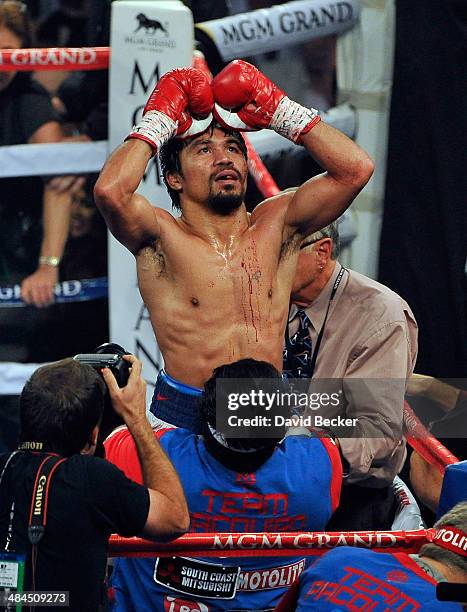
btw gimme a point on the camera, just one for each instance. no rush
(108, 355)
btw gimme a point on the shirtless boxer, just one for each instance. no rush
(216, 281)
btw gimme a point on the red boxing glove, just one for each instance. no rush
(247, 100)
(180, 105)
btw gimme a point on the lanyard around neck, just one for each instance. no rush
(321, 331)
(39, 501)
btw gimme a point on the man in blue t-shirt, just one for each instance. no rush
(349, 578)
(231, 485)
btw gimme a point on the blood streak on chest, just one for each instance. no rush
(251, 267)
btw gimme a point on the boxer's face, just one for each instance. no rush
(8, 40)
(213, 171)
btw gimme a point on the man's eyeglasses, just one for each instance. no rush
(306, 243)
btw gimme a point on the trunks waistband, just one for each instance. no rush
(176, 403)
(182, 387)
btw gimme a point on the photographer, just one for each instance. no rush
(54, 486)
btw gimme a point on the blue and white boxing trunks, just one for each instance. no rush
(176, 403)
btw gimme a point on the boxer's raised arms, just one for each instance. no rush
(257, 103)
(180, 105)
(217, 282)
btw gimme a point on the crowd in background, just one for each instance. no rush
(50, 228)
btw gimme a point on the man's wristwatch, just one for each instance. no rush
(45, 260)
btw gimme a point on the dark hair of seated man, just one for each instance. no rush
(239, 454)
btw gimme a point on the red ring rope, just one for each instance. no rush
(264, 181)
(426, 445)
(55, 58)
(270, 544)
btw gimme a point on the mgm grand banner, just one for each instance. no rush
(271, 29)
(147, 40)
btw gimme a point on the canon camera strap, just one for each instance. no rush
(38, 511)
(40, 496)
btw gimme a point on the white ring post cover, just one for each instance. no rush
(147, 39)
(365, 58)
(273, 28)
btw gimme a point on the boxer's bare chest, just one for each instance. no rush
(241, 279)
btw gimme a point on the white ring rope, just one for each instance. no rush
(52, 158)
(83, 157)
(240, 35)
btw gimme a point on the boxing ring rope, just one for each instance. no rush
(83, 290)
(426, 445)
(241, 35)
(303, 543)
(82, 157)
(285, 544)
(273, 28)
(55, 58)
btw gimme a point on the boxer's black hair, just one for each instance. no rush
(169, 157)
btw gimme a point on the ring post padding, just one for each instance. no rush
(364, 65)
(272, 28)
(80, 157)
(141, 54)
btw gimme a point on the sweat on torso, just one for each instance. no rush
(209, 307)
